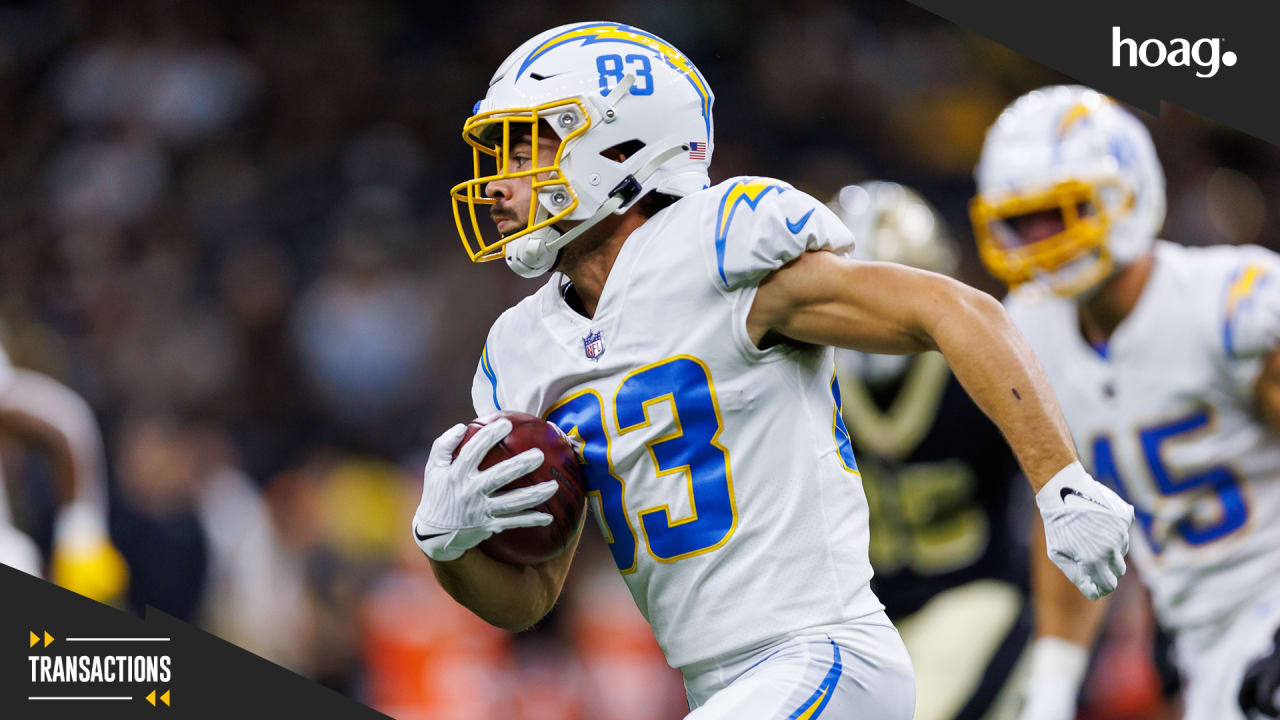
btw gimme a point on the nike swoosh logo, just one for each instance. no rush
(422, 537)
(796, 226)
(1072, 491)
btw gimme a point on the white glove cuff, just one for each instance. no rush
(1057, 670)
(450, 545)
(1071, 477)
(442, 552)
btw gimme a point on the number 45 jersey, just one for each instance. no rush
(1164, 414)
(721, 475)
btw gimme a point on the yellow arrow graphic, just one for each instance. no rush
(34, 639)
(165, 697)
(151, 698)
(47, 638)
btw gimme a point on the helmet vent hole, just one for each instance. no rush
(623, 150)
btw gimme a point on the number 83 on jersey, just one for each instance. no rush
(690, 450)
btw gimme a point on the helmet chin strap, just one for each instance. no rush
(622, 193)
(530, 259)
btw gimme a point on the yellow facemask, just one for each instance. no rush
(1083, 234)
(492, 134)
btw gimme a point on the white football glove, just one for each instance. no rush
(458, 509)
(1086, 529)
(1057, 670)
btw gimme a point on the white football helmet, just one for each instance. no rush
(893, 223)
(1067, 149)
(600, 86)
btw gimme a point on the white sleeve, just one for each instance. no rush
(485, 396)
(762, 224)
(69, 415)
(1251, 304)
(1249, 316)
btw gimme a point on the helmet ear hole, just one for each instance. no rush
(623, 150)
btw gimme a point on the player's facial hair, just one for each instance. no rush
(590, 241)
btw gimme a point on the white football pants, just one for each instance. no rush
(855, 670)
(1212, 659)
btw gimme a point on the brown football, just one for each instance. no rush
(533, 545)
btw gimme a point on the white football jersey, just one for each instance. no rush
(1163, 414)
(721, 475)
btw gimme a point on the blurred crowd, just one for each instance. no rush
(226, 226)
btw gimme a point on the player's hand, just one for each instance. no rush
(459, 509)
(1086, 529)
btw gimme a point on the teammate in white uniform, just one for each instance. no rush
(700, 383)
(1155, 351)
(34, 407)
(17, 549)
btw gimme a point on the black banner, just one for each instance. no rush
(65, 656)
(1218, 59)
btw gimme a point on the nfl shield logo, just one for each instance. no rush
(593, 344)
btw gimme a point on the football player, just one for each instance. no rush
(684, 342)
(946, 545)
(1163, 358)
(38, 409)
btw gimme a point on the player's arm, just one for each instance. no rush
(507, 596)
(461, 507)
(1061, 611)
(1266, 390)
(40, 410)
(826, 299)
(1067, 626)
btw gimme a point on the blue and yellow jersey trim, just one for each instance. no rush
(749, 192)
(813, 706)
(590, 33)
(1241, 287)
(840, 432)
(487, 369)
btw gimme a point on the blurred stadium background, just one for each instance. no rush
(226, 226)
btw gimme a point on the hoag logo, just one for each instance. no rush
(1205, 53)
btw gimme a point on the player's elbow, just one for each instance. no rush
(513, 613)
(985, 308)
(58, 416)
(513, 622)
(960, 309)
(518, 612)
(512, 605)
